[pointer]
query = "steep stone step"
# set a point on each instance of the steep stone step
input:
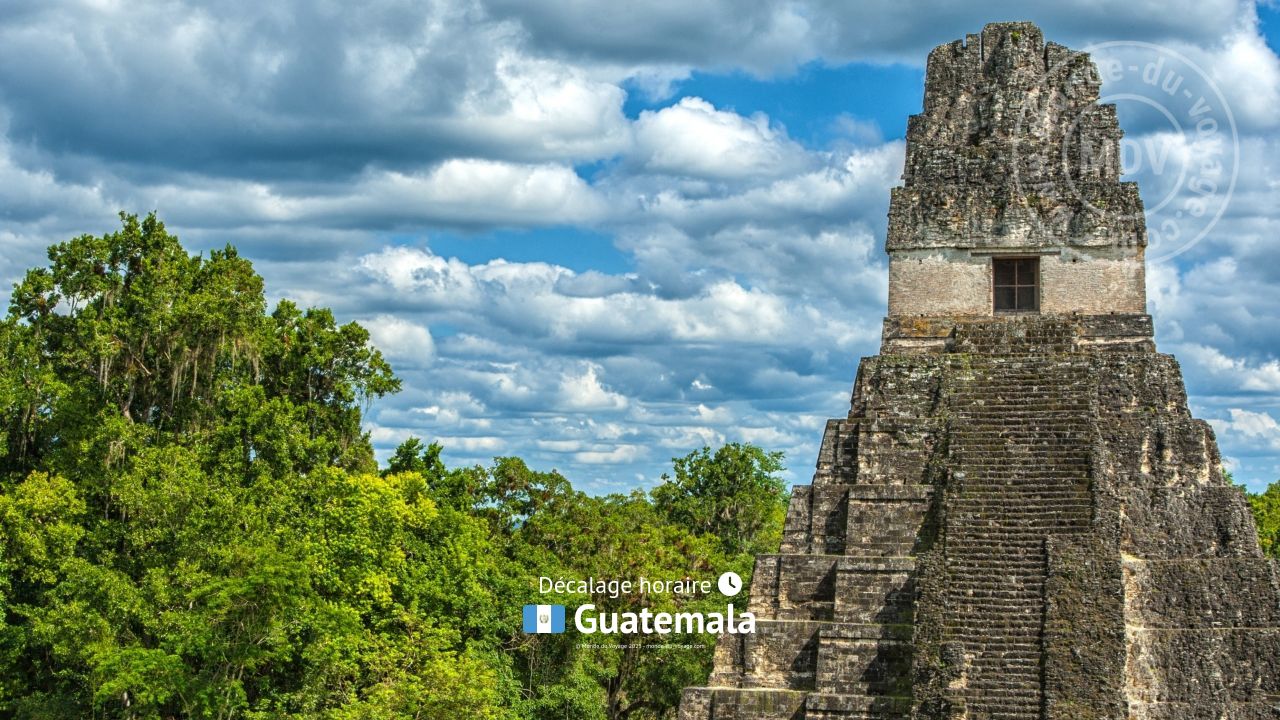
(1013, 445)
(1013, 460)
(967, 509)
(865, 663)
(1020, 413)
(794, 587)
(998, 476)
(1012, 502)
(958, 547)
(1027, 400)
(720, 703)
(1020, 475)
(831, 706)
(987, 564)
(1014, 682)
(1002, 622)
(1006, 587)
(1014, 533)
(780, 654)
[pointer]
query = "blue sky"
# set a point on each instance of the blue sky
(593, 235)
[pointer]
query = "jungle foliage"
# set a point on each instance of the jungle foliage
(193, 523)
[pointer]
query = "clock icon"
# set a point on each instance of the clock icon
(730, 584)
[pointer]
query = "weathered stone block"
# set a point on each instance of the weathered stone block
(780, 654)
(737, 704)
(1187, 522)
(1084, 641)
(1223, 665)
(875, 591)
(855, 664)
(895, 451)
(794, 587)
(1201, 593)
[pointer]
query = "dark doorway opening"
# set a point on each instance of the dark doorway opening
(1017, 285)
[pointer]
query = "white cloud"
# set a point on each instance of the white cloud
(487, 192)
(457, 191)
(549, 104)
(769, 437)
(694, 138)
(451, 409)
(400, 339)
(583, 392)
(1255, 428)
(746, 276)
(480, 444)
(844, 187)
(769, 37)
(559, 446)
(1248, 72)
(713, 416)
(425, 275)
(528, 298)
(1259, 377)
(619, 455)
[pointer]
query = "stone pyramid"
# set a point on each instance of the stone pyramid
(1019, 518)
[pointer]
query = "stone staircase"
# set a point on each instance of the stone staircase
(1019, 458)
(835, 608)
(833, 631)
(1020, 525)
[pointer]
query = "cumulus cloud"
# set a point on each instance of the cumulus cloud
(769, 37)
(581, 392)
(621, 454)
(351, 156)
(459, 191)
(529, 299)
(844, 187)
(1255, 438)
(556, 107)
(693, 138)
(295, 88)
(400, 339)
(1249, 73)
(425, 275)
(1256, 425)
(1233, 372)
(486, 192)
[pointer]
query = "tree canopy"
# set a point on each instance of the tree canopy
(193, 523)
(1266, 513)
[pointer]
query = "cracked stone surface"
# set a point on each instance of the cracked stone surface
(1019, 518)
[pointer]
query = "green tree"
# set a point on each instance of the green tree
(412, 456)
(559, 532)
(732, 494)
(1266, 513)
(325, 369)
(624, 537)
(192, 523)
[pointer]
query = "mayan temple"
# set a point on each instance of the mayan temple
(1019, 518)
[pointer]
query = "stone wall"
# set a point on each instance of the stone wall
(997, 164)
(951, 282)
(1091, 283)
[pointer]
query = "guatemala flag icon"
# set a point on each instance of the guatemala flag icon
(544, 618)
